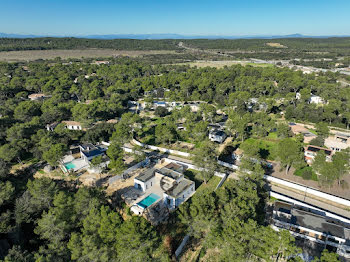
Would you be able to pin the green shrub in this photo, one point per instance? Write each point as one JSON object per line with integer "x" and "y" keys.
{"x": 306, "y": 173}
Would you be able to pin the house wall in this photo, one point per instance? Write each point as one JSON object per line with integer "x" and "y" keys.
{"x": 144, "y": 185}
{"x": 312, "y": 155}
{"x": 175, "y": 152}
{"x": 175, "y": 202}
{"x": 336, "y": 145}
{"x": 70, "y": 127}
{"x": 185, "y": 195}
{"x": 169, "y": 201}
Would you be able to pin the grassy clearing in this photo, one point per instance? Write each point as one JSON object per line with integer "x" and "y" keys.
{"x": 306, "y": 173}
{"x": 268, "y": 148}
{"x": 273, "y": 135}
{"x": 210, "y": 186}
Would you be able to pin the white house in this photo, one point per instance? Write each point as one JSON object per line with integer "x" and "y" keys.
{"x": 166, "y": 184}
{"x": 89, "y": 151}
{"x": 145, "y": 180}
{"x": 311, "y": 152}
{"x": 338, "y": 142}
{"x": 159, "y": 103}
{"x": 316, "y": 100}
{"x": 179, "y": 193}
{"x": 51, "y": 127}
{"x": 72, "y": 125}
{"x": 217, "y": 136}
{"x": 80, "y": 158}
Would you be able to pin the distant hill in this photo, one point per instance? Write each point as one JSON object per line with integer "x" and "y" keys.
{"x": 166, "y": 36}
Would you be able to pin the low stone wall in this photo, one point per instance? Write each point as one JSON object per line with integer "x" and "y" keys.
{"x": 129, "y": 170}
{"x": 161, "y": 149}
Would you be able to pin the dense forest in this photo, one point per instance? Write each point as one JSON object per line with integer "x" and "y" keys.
{"x": 43, "y": 220}
{"x": 284, "y": 48}
{"x": 14, "y": 44}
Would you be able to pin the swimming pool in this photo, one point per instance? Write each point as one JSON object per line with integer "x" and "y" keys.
{"x": 69, "y": 166}
{"x": 149, "y": 200}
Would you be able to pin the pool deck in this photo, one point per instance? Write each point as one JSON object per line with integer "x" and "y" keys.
{"x": 154, "y": 189}
{"x": 78, "y": 163}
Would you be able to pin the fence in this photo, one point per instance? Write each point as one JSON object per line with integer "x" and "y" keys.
{"x": 182, "y": 245}
{"x": 225, "y": 164}
{"x": 191, "y": 166}
{"x": 308, "y": 190}
{"x": 126, "y": 172}
{"x": 223, "y": 179}
{"x": 161, "y": 149}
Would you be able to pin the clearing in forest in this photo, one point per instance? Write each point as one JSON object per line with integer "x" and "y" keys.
{"x": 277, "y": 45}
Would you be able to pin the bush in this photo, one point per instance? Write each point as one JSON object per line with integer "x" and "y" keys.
{"x": 317, "y": 141}
{"x": 306, "y": 173}
{"x": 161, "y": 111}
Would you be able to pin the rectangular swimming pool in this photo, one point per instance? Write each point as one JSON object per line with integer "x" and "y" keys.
{"x": 149, "y": 200}
{"x": 69, "y": 165}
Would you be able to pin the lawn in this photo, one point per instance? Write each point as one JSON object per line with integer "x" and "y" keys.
{"x": 210, "y": 186}
{"x": 268, "y": 148}
{"x": 273, "y": 135}
{"x": 306, "y": 173}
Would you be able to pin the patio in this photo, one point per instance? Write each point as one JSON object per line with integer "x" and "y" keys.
{"x": 70, "y": 163}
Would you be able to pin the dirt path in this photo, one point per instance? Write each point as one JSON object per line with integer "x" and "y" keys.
{"x": 223, "y": 145}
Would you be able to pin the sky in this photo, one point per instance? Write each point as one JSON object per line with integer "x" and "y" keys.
{"x": 185, "y": 17}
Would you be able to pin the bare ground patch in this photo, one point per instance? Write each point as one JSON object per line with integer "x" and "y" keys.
{"x": 277, "y": 45}
{"x": 31, "y": 55}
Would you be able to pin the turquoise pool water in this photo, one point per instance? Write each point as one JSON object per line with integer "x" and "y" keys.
{"x": 149, "y": 200}
{"x": 69, "y": 166}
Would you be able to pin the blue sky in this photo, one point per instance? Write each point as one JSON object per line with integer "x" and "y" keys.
{"x": 188, "y": 17}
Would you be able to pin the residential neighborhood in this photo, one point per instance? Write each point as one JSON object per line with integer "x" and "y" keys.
{"x": 171, "y": 147}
